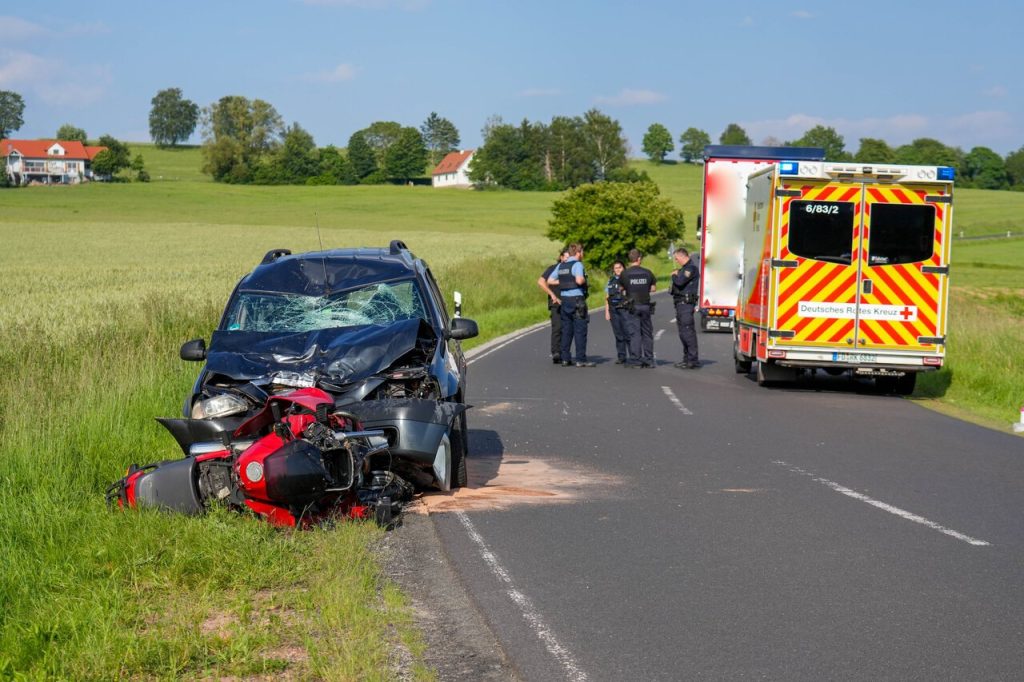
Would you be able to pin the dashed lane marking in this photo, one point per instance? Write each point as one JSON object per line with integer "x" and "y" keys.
{"x": 675, "y": 401}
{"x": 902, "y": 513}
{"x": 526, "y": 607}
{"x": 657, "y": 335}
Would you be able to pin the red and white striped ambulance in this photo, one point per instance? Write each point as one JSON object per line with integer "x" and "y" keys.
{"x": 846, "y": 269}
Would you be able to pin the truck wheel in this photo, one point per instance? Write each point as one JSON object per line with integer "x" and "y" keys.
{"x": 703, "y": 323}
{"x": 905, "y": 384}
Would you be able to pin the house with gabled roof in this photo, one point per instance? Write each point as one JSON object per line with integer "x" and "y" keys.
{"x": 48, "y": 162}
{"x": 453, "y": 171}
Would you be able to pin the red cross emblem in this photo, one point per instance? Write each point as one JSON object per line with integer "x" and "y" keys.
{"x": 906, "y": 313}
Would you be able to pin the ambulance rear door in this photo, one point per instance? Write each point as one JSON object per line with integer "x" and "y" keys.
{"x": 815, "y": 267}
{"x": 904, "y": 267}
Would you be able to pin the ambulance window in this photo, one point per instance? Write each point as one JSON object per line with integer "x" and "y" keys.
{"x": 821, "y": 230}
{"x": 901, "y": 233}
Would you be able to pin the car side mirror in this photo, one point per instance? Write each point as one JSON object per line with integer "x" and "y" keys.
{"x": 194, "y": 350}
{"x": 463, "y": 328}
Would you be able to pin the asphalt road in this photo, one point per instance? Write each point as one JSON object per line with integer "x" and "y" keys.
{"x": 707, "y": 528}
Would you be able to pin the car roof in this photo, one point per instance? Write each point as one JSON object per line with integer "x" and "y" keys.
{"x": 315, "y": 272}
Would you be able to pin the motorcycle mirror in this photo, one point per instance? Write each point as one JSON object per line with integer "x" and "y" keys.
{"x": 193, "y": 351}
{"x": 463, "y": 328}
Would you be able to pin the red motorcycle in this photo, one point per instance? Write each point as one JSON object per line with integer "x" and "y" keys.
{"x": 299, "y": 461}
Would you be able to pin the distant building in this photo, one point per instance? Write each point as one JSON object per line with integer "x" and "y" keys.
{"x": 49, "y": 162}
{"x": 453, "y": 171}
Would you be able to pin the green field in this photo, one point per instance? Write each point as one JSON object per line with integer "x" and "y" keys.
{"x": 102, "y": 285}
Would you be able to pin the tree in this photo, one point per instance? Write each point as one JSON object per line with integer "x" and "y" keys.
{"x": 238, "y": 132}
{"x": 657, "y": 142}
{"x": 440, "y": 137}
{"x": 926, "y": 151}
{"x": 873, "y": 150}
{"x": 512, "y": 157}
{"x": 692, "y": 143}
{"x": 70, "y": 132}
{"x": 139, "y": 167}
{"x": 985, "y": 169}
{"x": 734, "y": 134}
{"x": 406, "y": 157}
{"x": 297, "y": 158}
{"x": 565, "y": 159}
{"x": 334, "y": 169}
{"x": 825, "y": 138}
{"x": 610, "y": 218}
{"x": 361, "y": 156}
{"x": 603, "y": 140}
{"x": 112, "y": 160}
{"x": 12, "y": 106}
{"x": 173, "y": 118}
{"x": 1015, "y": 168}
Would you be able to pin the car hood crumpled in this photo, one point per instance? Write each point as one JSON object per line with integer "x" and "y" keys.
{"x": 344, "y": 354}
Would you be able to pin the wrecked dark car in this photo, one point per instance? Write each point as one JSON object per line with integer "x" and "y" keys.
{"x": 367, "y": 326}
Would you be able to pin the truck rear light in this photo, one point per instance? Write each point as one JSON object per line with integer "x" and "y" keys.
{"x": 934, "y": 362}
{"x": 776, "y": 353}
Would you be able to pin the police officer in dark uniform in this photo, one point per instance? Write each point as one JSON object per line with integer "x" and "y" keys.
{"x": 554, "y": 307}
{"x": 685, "y": 291}
{"x": 639, "y": 283}
{"x": 615, "y": 312}
{"x": 571, "y": 279}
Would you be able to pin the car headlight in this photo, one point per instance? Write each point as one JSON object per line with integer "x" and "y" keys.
{"x": 219, "y": 406}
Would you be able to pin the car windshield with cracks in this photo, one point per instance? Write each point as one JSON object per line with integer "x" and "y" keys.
{"x": 382, "y": 303}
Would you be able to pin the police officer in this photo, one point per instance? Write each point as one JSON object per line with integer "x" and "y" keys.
{"x": 615, "y": 311}
{"x": 639, "y": 283}
{"x": 554, "y": 307}
{"x": 685, "y": 291}
{"x": 571, "y": 280}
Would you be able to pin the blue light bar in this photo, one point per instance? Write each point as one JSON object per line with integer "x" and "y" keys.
{"x": 791, "y": 168}
{"x": 946, "y": 173}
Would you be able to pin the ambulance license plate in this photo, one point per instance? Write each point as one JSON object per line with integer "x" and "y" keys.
{"x": 854, "y": 357}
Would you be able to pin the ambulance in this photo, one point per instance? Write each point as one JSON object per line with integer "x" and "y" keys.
{"x": 845, "y": 269}
{"x": 726, "y": 169}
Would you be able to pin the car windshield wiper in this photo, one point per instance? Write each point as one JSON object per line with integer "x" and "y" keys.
{"x": 842, "y": 260}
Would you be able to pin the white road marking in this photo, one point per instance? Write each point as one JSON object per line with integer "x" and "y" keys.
{"x": 537, "y": 624}
{"x": 675, "y": 401}
{"x": 658, "y": 334}
{"x": 483, "y": 352}
{"x": 565, "y": 408}
{"x": 902, "y": 513}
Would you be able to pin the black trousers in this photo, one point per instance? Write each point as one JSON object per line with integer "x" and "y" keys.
{"x": 641, "y": 334}
{"x": 556, "y": 329}
{"x": 620, "y": 329}
{"x": 687, "y": 331}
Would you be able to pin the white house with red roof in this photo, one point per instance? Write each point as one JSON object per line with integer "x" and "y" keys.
{"x": 453, "y": 171}
{"x": 49, "y": 162}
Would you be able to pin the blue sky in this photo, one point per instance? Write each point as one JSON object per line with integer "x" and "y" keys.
{"x": 895, "y": 70}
